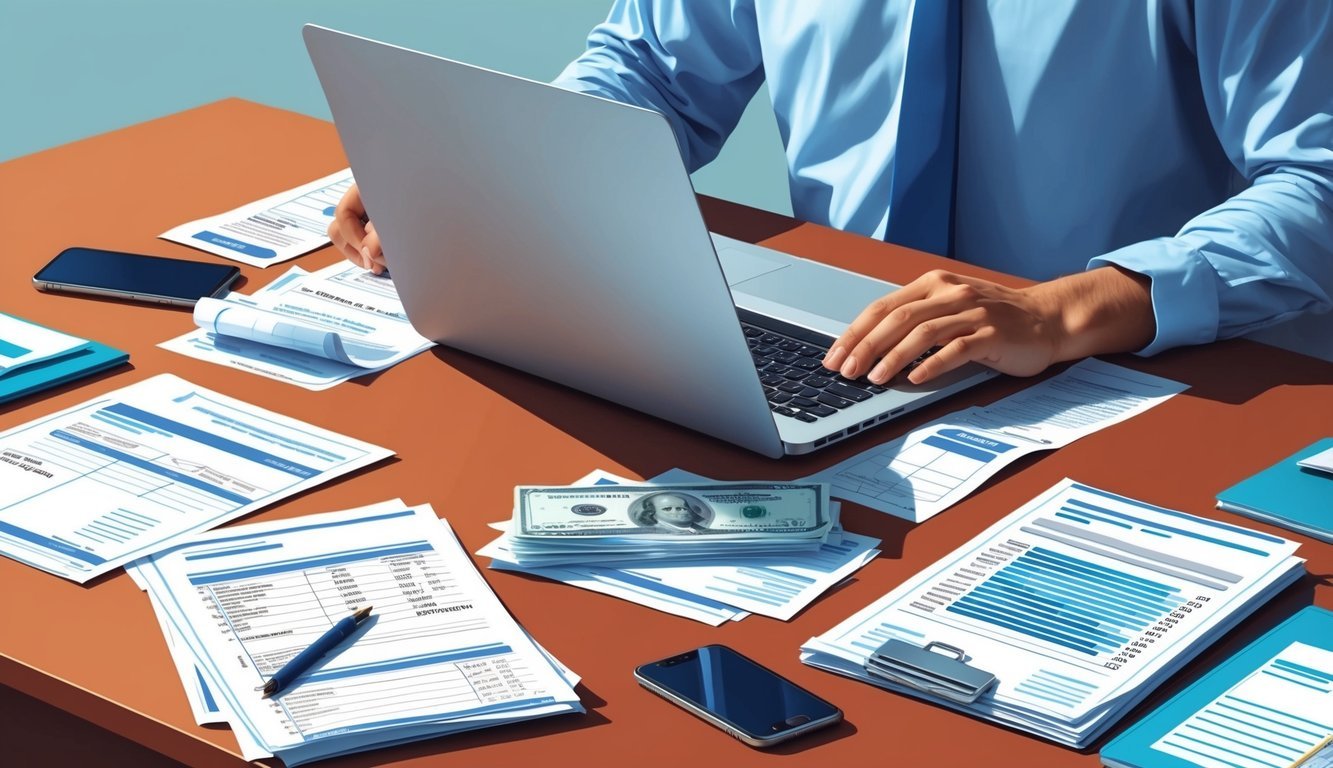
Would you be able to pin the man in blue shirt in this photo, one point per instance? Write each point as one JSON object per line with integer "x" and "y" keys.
{"x": 1164, "y": 167}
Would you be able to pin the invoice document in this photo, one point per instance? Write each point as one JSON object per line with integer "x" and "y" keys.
{"x": 87, "y": 489}
{"x": 274, "y": 229}
{"x": 935, "y": 466}
{"x": 311, "y": 329}
{"x": 439, "y": 653}
{"x": 1080, "y": 603}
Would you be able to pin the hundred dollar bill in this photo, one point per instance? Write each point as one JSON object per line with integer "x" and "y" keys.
{"x": 714, "y": 511}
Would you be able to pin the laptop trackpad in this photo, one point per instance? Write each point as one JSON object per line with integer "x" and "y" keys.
{"x": 816, "y": 289}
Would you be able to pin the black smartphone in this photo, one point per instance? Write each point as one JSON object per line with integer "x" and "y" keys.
{"x": 153, "y": 279}
{"x": 738, "y": 695}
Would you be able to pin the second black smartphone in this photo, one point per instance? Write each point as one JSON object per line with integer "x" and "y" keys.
{"x": 134, "y": 276}
{"x": 738, "y": 695}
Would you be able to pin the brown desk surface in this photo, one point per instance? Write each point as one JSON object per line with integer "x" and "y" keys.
{"x": 466, "y": 431}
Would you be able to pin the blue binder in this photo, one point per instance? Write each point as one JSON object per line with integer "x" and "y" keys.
{"x": 1288, "y": 495}
{"x": 83, "y": 360}
{"x": 1143, "y": 744}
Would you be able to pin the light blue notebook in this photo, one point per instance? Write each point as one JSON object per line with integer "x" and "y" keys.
{"x": 1287, "y": 495}
{"x": 1265, "y": 707}
{"x": 73, "y": 363}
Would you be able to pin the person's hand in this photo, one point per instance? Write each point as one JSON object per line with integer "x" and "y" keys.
{"x": 354, "y": 235}
{"x": 1019, "y": 331}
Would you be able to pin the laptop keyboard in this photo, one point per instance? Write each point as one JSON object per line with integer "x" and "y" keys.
{"x": 794, "y": 378}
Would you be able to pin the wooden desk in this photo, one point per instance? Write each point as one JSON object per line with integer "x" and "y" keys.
{"x": 466, "y": 431}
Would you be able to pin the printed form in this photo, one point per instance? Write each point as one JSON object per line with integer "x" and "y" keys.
{"x": 277, "y": 228}
{"x": 311, "y": 329}
{"x": 1079, "y": 603}
{"x": 1253, "y": 724}
{"x": 92, "y": 487}
{"x": 930, "y": 469}
{"x": 439, "y": 653}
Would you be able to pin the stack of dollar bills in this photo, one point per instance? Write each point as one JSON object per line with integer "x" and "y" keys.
{"x": 633, "y": 523}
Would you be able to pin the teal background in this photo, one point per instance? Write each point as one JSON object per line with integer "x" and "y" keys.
{"x": 74, "y": 68}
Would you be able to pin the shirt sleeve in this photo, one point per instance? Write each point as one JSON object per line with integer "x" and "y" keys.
{"x": 1266, "y": 254}
{"x": 697, "y": 62}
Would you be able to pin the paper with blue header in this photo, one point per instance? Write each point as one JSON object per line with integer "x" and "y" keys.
{"x": 276, "y": 228}
{"x": 90, "y": 488}
{"x": 439, "y": 655}
{"x": 935, "y": 466}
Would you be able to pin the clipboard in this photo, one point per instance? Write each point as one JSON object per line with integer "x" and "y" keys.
{"x": 936, "y": 668}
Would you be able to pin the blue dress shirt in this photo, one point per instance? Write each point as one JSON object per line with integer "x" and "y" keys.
{"x": 1191, "y": 143}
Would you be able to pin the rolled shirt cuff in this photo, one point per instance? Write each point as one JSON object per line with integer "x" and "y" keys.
{"x": 1184, "y": 290}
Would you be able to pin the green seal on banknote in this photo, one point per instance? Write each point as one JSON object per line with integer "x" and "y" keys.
{"x": 754, "y": 510}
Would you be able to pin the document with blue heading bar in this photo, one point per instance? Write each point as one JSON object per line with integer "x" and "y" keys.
{"x": 438, "y": 655}
{"x": 1080, "y": 603}
{"x": 274, "y": 229}
{"x": 1268, "y": 706}
{"x": 90, "y": 488}
{"x": 937, "y": 465}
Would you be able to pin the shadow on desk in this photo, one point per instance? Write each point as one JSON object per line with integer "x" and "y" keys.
{"x": 36, "y": 733}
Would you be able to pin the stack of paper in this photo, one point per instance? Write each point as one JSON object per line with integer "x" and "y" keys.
{"x": 712, "y": 591}
{"x": 602, "y": 524}
{"x": 1080, "y": 603}
{"x": 313, "y": 330}
{"x": 439, "y": 654}
{"x": 33, "y": 358}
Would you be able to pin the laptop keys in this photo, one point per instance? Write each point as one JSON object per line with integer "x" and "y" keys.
{"x": 795, "y": 381}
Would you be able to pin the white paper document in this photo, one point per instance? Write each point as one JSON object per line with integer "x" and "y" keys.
{"x": 277, "y": 228}
{"x": 1320, "y": 462}
{"x": 1268, "y": 720}
{"x": 311, "y": 329}
{"x": 711, "y": 591}
{"x": 23, "y": 343}
{"x": 935, "y": 466}
{"x": 90, "y": 488}
{"x": 438, "y": 655}
{"x": 1080, "y": 603}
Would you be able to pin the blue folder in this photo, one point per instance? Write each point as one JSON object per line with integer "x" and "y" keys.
{"x": 1135, "y": 747}
{"x": 1288, "y": 495}
{"x": 83, "y": 360}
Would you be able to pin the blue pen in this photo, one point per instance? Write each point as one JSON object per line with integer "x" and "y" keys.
{"x": 307, "y": 658}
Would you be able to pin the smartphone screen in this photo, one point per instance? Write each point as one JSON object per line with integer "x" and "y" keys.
{"x": 744, "y": 696}
{"x": 134, "y": 276}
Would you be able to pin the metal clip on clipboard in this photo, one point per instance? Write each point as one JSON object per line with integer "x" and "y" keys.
{"x": 930, "y": 672}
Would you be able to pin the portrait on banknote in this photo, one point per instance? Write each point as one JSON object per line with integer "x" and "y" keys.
{"x": 671, "y": 512}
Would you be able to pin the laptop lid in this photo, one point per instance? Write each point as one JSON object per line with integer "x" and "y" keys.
{"x": 551, "y": 231}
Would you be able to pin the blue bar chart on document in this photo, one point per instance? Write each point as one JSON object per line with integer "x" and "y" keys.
{"x": 1080, "y": 603}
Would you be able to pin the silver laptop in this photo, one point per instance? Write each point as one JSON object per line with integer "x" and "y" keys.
{"x": 558, "y": 233}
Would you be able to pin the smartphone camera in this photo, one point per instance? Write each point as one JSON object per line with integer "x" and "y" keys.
{"x": 674, "y": 660}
